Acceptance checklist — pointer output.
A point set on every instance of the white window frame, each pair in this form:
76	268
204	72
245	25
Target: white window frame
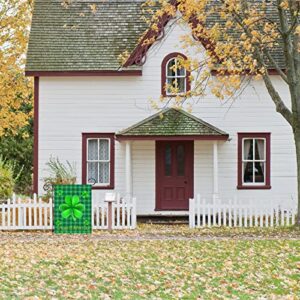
98	184
253	161
175	77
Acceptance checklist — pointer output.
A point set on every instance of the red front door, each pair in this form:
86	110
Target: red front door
174	174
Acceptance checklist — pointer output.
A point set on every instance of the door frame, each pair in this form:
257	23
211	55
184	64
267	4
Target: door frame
157	163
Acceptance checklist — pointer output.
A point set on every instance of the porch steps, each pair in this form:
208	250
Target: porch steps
163	220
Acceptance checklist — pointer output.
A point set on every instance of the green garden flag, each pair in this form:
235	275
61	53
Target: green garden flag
72	209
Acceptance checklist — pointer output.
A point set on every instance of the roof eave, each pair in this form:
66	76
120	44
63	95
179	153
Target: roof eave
212	137
83	73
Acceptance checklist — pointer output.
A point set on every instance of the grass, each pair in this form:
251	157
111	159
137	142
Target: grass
81	267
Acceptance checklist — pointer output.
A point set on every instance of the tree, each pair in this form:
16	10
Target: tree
15	88
240	38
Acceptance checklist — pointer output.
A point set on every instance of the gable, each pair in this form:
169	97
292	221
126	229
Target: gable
172	122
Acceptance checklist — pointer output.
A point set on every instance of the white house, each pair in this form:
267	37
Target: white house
92	111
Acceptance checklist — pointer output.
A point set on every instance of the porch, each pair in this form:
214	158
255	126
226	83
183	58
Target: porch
170	157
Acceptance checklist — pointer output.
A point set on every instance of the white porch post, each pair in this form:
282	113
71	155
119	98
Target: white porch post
215	170
128	169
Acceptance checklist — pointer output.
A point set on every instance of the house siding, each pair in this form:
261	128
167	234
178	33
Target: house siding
70	106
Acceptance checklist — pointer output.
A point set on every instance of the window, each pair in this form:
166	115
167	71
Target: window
98	160
254	161
175	78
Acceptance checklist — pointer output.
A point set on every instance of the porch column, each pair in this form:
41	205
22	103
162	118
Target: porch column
215	170
128	169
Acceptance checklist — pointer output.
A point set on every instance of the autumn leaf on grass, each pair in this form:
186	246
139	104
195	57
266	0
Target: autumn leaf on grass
72	208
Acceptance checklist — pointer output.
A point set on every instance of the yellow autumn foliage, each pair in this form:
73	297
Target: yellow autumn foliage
237	46
15	88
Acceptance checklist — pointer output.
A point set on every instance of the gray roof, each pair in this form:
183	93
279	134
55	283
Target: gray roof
172	122
76	39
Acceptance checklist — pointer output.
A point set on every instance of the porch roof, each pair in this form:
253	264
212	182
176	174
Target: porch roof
172	123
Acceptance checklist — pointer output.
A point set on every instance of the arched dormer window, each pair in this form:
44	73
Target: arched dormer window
175	78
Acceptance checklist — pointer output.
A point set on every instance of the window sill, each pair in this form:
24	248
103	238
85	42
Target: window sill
253	187
106	187
174	95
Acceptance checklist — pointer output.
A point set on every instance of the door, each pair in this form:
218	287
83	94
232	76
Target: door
174	174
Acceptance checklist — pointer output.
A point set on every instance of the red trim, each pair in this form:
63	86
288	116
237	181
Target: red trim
84	73
240	184
36	136
163	73
138	55
111	136
173	137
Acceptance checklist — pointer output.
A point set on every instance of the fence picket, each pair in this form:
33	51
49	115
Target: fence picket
123	213
51	213
235	211
198	211
277	215
214	212
14	202
8	213
240	217
288	218
245	216
34	210
204	211
3	216
45	217
208	215
191	213
24	216
293	217
282	216
272	214
118	210
133	215
128	214
219	213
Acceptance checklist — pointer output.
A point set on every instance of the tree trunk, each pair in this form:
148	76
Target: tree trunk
297	143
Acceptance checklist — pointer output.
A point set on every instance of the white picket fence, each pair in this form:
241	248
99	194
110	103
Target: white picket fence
123	214
20	214
234	213
35	214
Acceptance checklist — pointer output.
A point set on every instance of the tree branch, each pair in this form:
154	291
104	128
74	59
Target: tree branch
274	63
280	106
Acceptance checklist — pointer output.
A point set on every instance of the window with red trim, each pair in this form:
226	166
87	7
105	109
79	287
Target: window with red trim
175	78
254	161
98	159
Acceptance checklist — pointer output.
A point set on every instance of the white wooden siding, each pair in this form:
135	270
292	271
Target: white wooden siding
72	105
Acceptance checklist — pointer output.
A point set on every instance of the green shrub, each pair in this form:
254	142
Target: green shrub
59	173
8	178
19	150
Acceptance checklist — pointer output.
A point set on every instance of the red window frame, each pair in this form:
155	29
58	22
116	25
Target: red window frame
267	137
85	137
164	76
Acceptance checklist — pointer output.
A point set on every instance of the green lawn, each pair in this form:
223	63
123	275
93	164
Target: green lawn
87	268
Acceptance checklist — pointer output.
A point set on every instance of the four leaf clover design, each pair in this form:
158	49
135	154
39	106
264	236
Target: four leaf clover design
72	208
85	194
60	193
